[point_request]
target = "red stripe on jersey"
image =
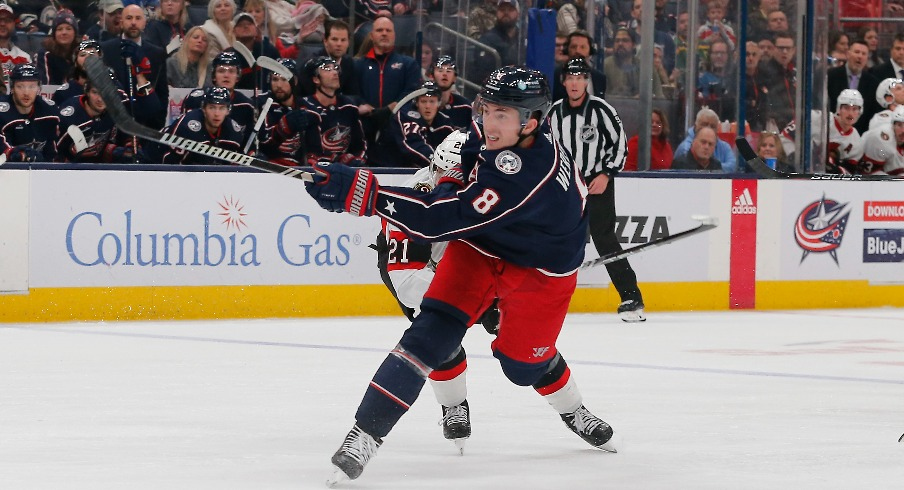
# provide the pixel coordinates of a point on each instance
(447, 374)
(390, 395)
(554, 387)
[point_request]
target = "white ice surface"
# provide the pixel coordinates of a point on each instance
(736, 400)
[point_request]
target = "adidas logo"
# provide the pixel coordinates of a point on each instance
(744, 203)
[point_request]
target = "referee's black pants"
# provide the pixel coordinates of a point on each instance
(602, 230)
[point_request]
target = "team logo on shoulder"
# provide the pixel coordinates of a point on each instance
(884, 136)
(198, 92)
(194, 125)
(67, 111)
(49, 101)
(588, 134)
(508, 162)
(238, 127)
(64, 86)
(4, 106)
(414, 114)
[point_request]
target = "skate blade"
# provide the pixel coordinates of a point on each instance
(460, 444)
(336, 478)
(633, 316)
(613, 444)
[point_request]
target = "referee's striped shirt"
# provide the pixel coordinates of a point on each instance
(592, 133)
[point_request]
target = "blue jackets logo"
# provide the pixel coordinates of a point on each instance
(820, 227)
(883, 245)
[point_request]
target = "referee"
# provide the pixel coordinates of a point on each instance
(589, 128)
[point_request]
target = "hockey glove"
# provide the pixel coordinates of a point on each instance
(119, 154)
(23, 153)
(132, 51)
(339, 188)
(293, 122)
(452, 180)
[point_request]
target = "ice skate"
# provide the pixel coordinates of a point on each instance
(349, 461)
(591, 429)
(456, 424)
(632, 311)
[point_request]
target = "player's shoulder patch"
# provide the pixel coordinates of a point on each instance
(194, 125)
(64, 86)
(508, 162)
(49, 101)
(67, 111)
(237, 127)
(4, 106)
(198, 92)
(884, 136)
(414, 114)
(884, 114)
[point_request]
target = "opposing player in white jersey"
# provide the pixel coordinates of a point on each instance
(883, 147)
(845, 146)
(889, 95)
(407, 268)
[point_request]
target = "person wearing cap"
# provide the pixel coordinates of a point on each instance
(105, 143)
(210, 124)
(56, 59)
(226, 69)
(452, 104)
(503, 37)
(145, 60)
(77, 77)
(246, 32)
(10, 54)
(30, 124)
(590, 129)
(413, 133)
(169, 26)
(110, 25)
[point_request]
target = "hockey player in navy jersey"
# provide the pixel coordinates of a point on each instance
(30, 124)
(517, 229)
(75, 82)
(412, 133)
(286, 99)
(105, 143)
(210, 124)
(226, 68)
(452, 104)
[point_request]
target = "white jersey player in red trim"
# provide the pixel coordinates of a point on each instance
(889, 95)
(845, 145)
(883, 147)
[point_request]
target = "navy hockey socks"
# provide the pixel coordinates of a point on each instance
(393, 389)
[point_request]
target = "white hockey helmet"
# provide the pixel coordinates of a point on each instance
(448, 153)
(849, 96)
(885, 90)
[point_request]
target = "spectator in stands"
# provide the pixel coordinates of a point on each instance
(10, 54)
(681, 44)
(579, 44)
(767, 47)
(894, 67)
(661, 156)
(503, 37)
(279, 19)
(29, 127)
(755, 100)
(148, 63)
(839, 42)
(621, 69)
(246, 32)
(219, 24)
(259, 12)
(414, 132)
(170, 25)
(854, 75)
(56, 58)
(758, 18)
(769, 145)
(482, 18)
(665, 18)
(335, 45)
(452, 104)
(428, 57)
(659, 37)
(662, 77)
(889, 95)
(707, 118)
(110, 25)
(778, 21)
(384, 76)
(190, 67)
(561, 53)
(716, 27)
(701, 153)
(714, 82)
(782, 80)
(77, 77)
(871, 37)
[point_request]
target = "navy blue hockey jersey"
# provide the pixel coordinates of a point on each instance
(408, 141)
(522, 205)
(242, 110)
(191, 126)
(38, 129)
(335, 133)
(458, 110)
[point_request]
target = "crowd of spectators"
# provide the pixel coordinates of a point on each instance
(153, 45)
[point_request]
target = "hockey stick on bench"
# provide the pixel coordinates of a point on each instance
(100, 78)
(760, 167)
(78, 138)
(706, 223)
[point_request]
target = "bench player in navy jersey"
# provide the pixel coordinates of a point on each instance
(226, 69)
(30, 124)
(210, 124)
(286, 99)
(517, 231)
(454, 105)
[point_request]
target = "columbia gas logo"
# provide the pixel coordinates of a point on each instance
(743, 204)
(883, 211)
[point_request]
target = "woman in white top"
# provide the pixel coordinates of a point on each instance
(219, 25)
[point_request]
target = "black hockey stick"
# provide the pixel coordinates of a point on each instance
(100, 78)
(760, 167)
(706, 223)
